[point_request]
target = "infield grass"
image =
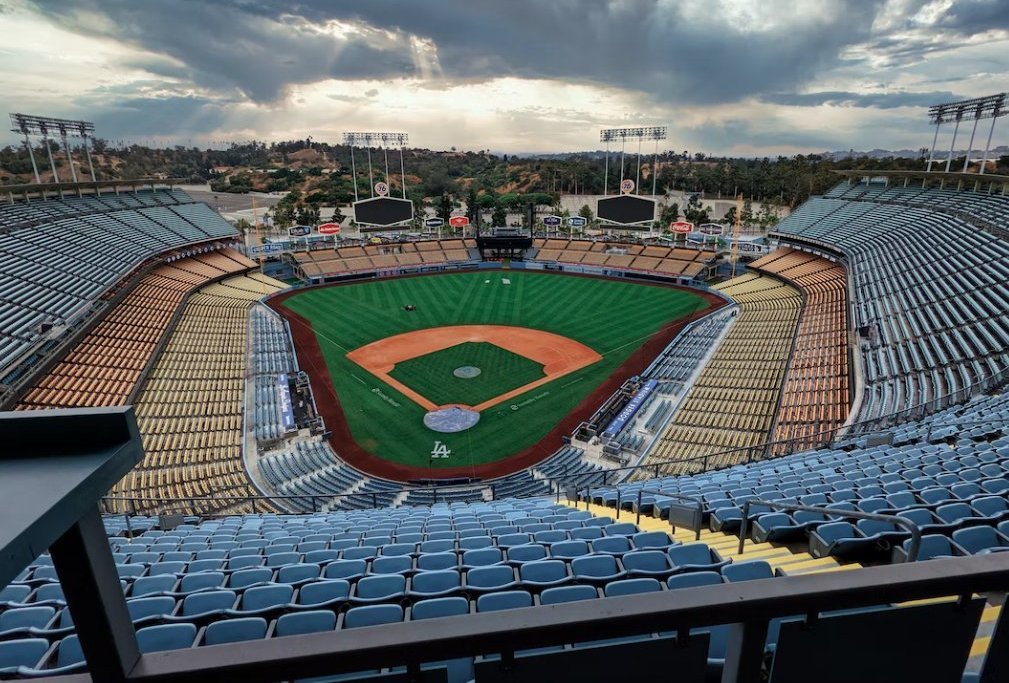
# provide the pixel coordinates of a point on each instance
(612, 317)
(432, 376)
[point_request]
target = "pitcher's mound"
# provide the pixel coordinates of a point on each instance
(466, 372)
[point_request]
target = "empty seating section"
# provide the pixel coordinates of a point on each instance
(668, 261)
(991, 208)
(383, 257)
(814, 400)
(103, 369)
(272, 353)
(59, 256)
(190, 410)
(931, 299)
(680, 359)
(258, 576)
(271, 356)
(732, 403)
(949, 475)
(309, 469)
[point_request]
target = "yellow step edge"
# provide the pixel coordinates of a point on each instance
(980, 646)
(796, 571)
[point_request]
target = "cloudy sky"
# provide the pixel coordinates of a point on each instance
(727, 76)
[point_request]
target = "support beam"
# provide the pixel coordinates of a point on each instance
(90, 582)
(970, 146)
(52, 164)
(91, 164)
(31, 155)
(70, 159)
(606, 170)
(949, 159)
(931, 151)
(984, 159)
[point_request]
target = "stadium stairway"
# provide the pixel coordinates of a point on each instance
(789, 559)
(792, 560)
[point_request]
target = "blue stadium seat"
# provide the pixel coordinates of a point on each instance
(554, 596)
(436, 561)
(507, 599)
(24, 618)
(26, 652)
(269, 597)
(300, 623)
(166, 637)
(529, 552)
(631, 587)
(596, 569)
(485, 579)
(235, 631)
(372, 615)
(542, 574)
(209, 602)
(142, 609)
(435, 583)
(379, 588)
(976, 540)
(323, 593)
(695, 557)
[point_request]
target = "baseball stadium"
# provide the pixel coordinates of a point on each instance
(578, 446)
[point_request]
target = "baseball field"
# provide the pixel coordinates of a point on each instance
(527, 351)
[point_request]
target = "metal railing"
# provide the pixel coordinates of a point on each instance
(912, 551)
(748, 605)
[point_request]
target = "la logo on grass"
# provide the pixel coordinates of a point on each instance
(440, 450)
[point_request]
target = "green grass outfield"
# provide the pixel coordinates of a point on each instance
(501, 370)
(610, 316)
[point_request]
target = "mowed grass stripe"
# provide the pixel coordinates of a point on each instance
(612, 317)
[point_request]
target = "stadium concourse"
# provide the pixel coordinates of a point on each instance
(837, 423)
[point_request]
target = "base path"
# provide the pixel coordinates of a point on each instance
(558, 355)
(310, 358)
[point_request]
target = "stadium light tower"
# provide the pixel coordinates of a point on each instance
(990, 107)
(383, 140)
(43, 126)
(608, 135)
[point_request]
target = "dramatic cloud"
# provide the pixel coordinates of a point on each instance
(732, 76)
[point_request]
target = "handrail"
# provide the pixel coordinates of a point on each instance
(912, 552)
(675, 496)
(751, 604)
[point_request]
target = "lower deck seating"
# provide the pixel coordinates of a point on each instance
(103, 369)
(733, 401)
(190, 410)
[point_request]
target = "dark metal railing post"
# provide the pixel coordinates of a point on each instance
(618, 502)
(588, 496)
(374, 500)
(638, 520)
(315, 507)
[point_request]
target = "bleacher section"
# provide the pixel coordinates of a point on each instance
(60, 256)
(815, 400)
(104, 368)
(666, 261)
(381, 257)
(732, 403)
(931, 300)
(190, 410)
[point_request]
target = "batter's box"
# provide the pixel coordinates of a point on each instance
(511, 360)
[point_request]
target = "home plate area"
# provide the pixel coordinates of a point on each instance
(450, 420)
